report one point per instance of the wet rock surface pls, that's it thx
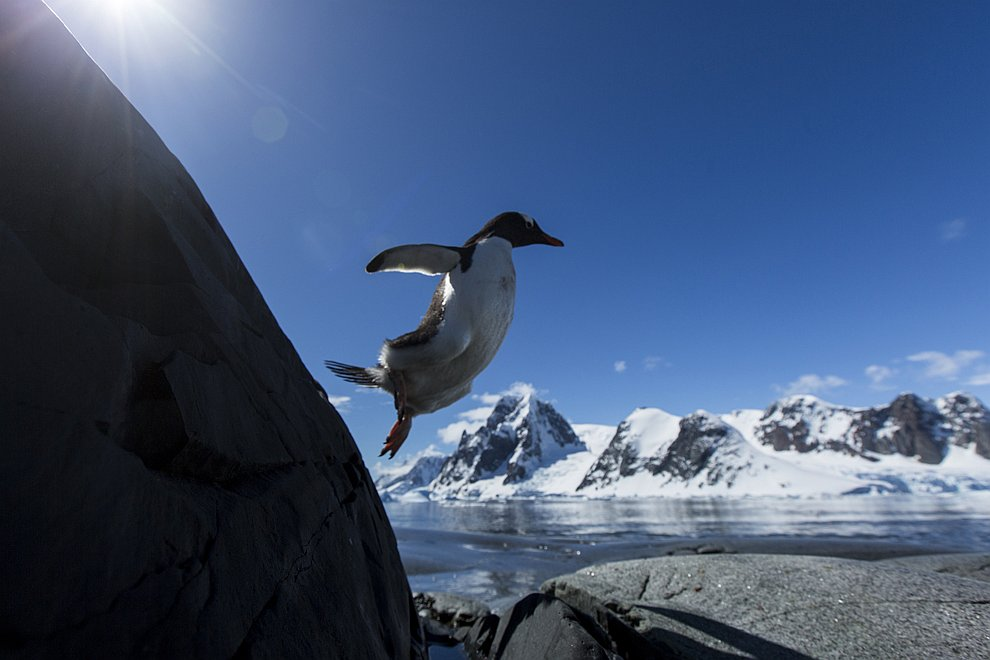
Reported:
(173, 481)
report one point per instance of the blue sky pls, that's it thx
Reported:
(756, 198)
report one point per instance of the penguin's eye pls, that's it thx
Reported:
(529, 223)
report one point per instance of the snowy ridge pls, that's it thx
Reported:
(701, 455)
(799, 446)
(645, 433)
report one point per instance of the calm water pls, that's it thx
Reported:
(499, 551)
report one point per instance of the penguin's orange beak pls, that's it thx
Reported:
(547, 239)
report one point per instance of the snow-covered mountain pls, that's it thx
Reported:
(654, 452)
(798, 446)
(646, 433)
(416, 472)
(521, 436)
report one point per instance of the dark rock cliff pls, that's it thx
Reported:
(967, 421)
(542, 435)
(480, 454)
(617, 460)
(172, 481)
(521, 435)
(915, 430)
(700, 436)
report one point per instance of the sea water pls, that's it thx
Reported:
(499, 551)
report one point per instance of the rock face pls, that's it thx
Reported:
(172, 481)
(701, 436)
(967, 421)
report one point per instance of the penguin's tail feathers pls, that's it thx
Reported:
(363, 376)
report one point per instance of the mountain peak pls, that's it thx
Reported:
(521, 434)
(967, 421)
(960, 400)
(803, 399)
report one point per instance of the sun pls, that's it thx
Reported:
(134, 28)
(140, 40)
(123, 10)
(124, 6)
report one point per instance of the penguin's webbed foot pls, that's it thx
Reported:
(398, 434)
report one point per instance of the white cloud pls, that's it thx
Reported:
(620, 366)
(812, 384)
(469, 420)
(940, 365)
(953, 230)
(980, 379)
(473, 419)
(879, 374)
(476, 415)
(520, 389)
(486, 398)
(451, 434)
(341, 403)
(516, 389)
(651, 362)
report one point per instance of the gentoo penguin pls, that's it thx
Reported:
(433, 366)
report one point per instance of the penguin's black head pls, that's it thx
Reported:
(517, 228)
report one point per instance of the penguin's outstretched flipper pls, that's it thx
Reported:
(424, 258)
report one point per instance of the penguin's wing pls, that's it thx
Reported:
(424, 258)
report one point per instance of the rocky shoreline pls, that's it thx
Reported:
(722, 600)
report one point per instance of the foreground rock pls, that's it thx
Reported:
(171, 479)
(777, 606)
(447, 618)
(540, 626)
(973, 565)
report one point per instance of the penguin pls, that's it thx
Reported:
(434, 365)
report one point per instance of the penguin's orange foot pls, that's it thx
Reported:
(398, 434)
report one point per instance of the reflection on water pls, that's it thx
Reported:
(499, 551)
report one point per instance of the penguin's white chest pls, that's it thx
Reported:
(481, 301)
(478, 308)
